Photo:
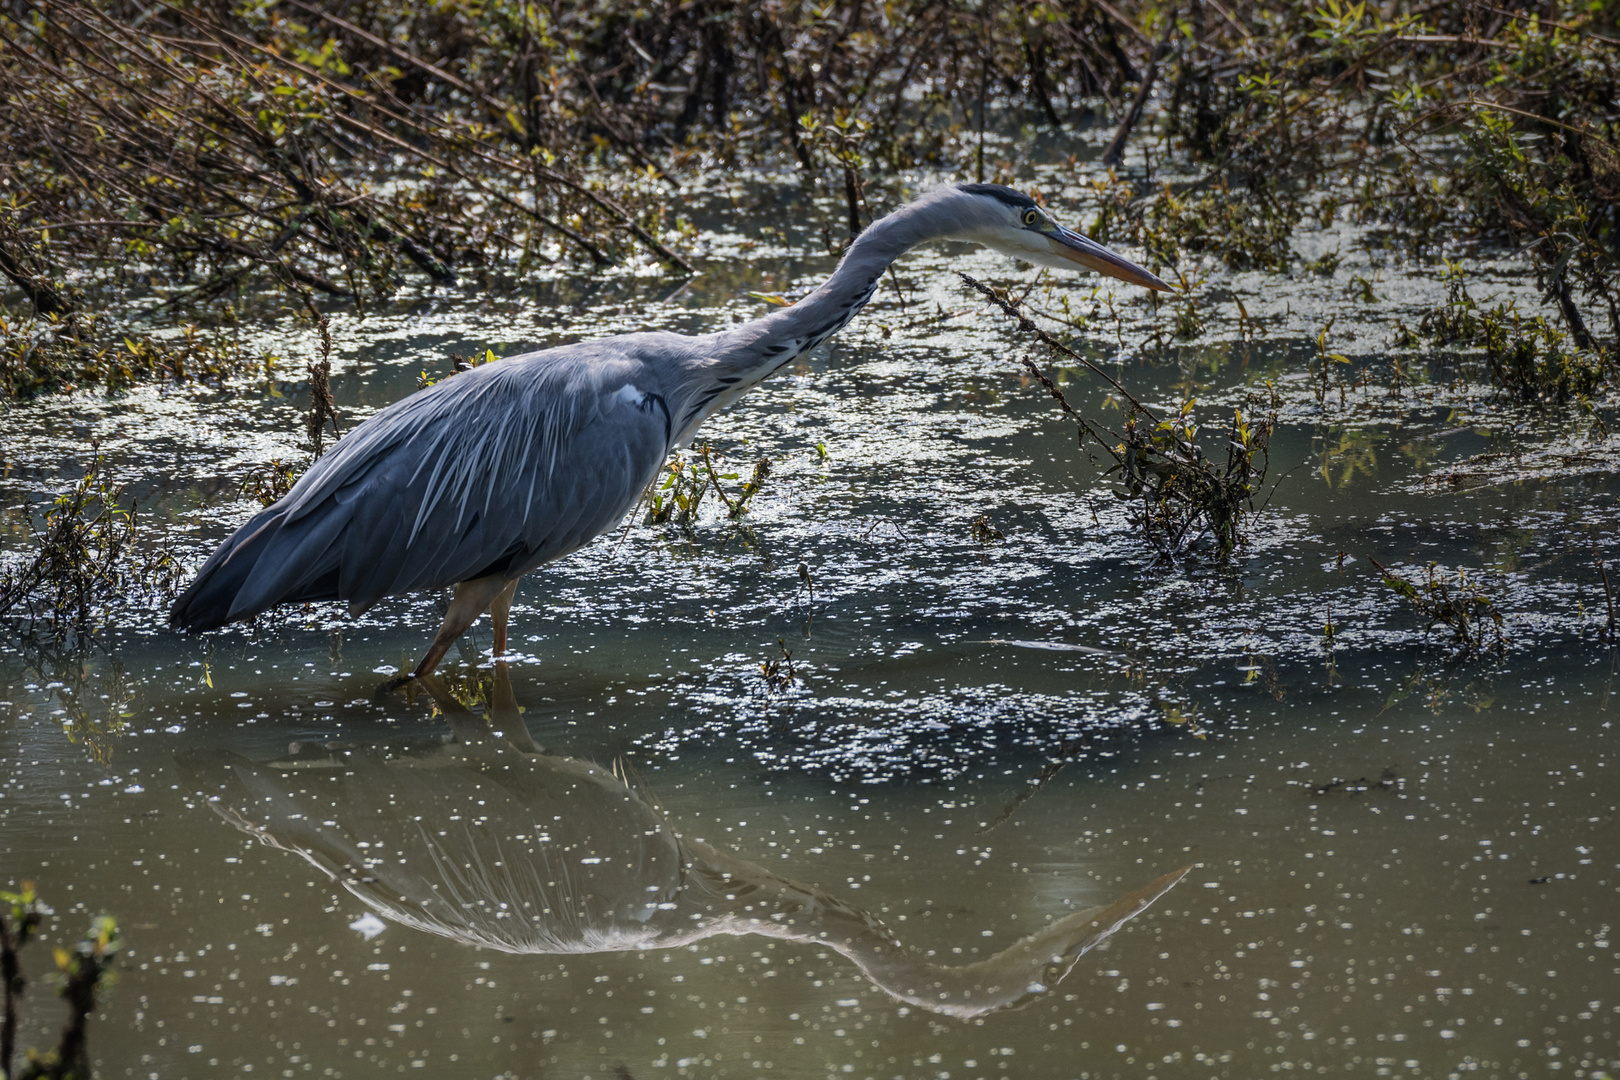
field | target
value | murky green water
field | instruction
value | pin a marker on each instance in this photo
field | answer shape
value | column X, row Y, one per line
column 1403, row 863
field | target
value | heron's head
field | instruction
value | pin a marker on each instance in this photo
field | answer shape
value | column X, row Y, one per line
column 1009, row 221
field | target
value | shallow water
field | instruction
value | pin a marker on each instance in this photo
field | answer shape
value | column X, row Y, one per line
column 1404, row 862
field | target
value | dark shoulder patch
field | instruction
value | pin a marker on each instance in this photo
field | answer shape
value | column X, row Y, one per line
column 1016, row 199
column 652, row 400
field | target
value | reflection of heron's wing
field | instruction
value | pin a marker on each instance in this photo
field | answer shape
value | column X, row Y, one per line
column 508, row 851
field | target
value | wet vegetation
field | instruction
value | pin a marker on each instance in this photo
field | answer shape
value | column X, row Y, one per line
column 676, row 496
column 83, row 970
column 81, row 351
column 180, row 158
column 778, row 671
column 87, row 561
column 1460, row 605
column 1180, row 495
column 1530, row 358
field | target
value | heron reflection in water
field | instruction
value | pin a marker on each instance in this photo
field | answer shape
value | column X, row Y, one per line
column 486, row 839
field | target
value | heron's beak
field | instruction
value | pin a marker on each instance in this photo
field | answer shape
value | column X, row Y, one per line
column 1088, row 253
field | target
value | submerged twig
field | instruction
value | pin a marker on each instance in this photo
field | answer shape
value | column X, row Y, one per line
column 1612, row 629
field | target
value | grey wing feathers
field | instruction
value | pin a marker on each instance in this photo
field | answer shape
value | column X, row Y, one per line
column 494, row 471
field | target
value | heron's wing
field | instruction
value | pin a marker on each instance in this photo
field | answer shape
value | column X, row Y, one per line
column 494, row 471
column 532, row 486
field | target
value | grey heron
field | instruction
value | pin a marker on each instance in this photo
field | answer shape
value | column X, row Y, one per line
column 477, row 480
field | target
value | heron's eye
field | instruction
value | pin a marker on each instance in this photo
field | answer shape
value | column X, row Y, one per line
column 1031, row 217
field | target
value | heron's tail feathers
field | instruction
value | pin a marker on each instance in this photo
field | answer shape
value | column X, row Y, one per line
column 266, row 562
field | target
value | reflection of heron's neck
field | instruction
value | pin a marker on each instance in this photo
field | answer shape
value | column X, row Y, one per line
column 744, row 898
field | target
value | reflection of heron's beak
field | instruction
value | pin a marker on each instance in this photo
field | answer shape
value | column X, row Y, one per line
column 1076, row 248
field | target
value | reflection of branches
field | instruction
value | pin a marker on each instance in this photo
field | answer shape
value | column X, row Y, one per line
column 1434, row 685
column 1355, row 454
column 1034, row 784
column 1610, row 630
column 1388, row 780
column 879, row 523
column 94, row 693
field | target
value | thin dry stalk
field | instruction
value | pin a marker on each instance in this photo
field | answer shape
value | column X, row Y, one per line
column 322, row 409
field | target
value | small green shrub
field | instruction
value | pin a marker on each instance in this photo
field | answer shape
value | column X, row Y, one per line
column 86, row 560
column 1182, row 495
column 1473, row 618
column 84, row 969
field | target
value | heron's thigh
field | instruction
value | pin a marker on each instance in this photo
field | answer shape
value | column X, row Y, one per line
column 472, row 599
column 501, row 606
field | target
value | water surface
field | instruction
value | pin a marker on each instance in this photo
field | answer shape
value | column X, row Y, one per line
column 1403, row 860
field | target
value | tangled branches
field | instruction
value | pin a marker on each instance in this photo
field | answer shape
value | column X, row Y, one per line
column 1182, row 495
column 85, row 559
column 213, row 147
column 199, row 152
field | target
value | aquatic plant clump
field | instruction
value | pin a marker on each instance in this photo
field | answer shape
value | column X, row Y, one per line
column 1476, row 623
column 85, row 562
column 84, row 971
column 82, row 350
column 1181, row 496
column 1529, row 357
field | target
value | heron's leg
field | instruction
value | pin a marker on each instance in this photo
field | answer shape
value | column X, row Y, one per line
column 499, row 609
column 472, row 599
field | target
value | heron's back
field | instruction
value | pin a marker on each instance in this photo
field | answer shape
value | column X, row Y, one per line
column 495, row 471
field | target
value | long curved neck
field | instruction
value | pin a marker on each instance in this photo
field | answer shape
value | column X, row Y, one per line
column 768, row 343
column 740, row 358
column 789, row 332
